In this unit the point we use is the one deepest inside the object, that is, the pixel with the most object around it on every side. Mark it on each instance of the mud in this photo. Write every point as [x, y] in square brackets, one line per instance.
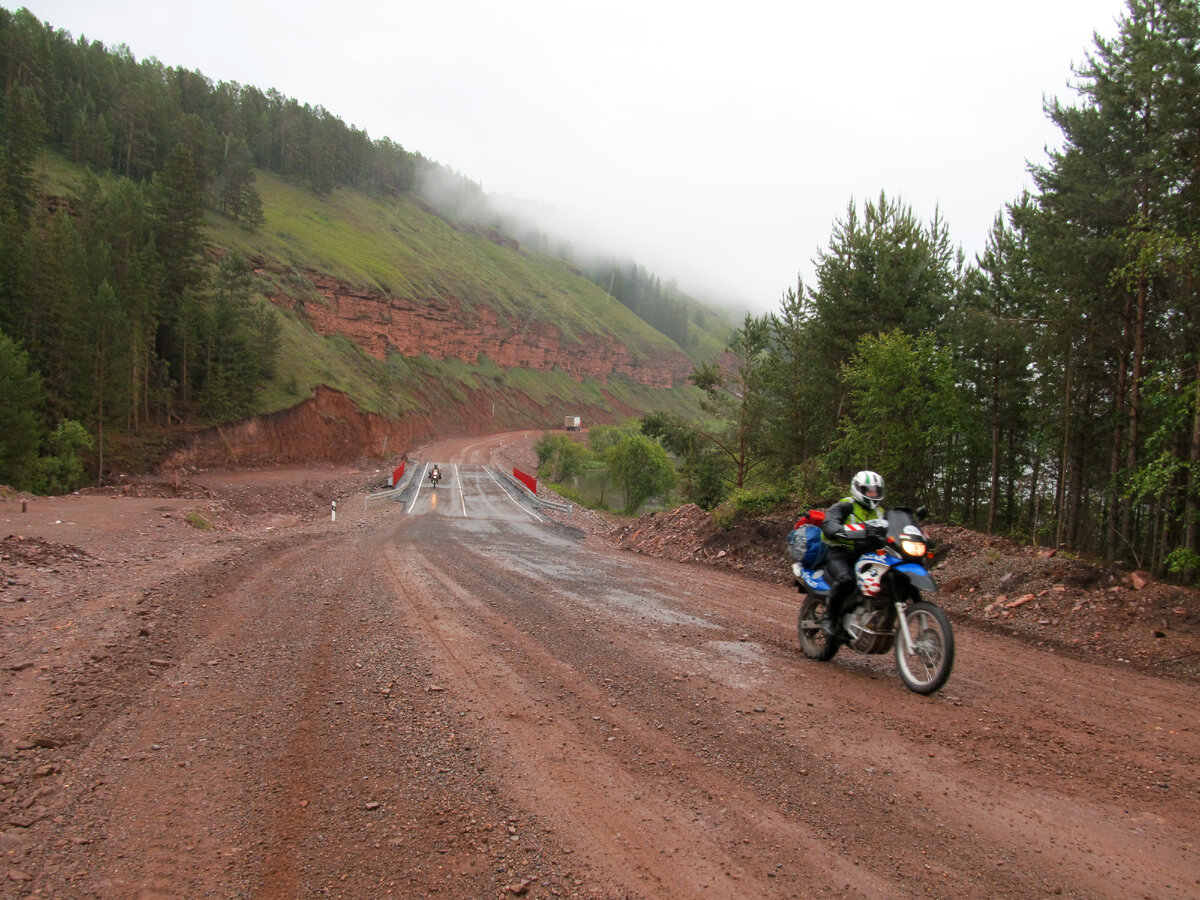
[223, 690]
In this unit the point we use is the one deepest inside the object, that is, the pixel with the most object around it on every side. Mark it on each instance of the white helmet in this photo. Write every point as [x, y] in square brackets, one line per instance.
[867, 489]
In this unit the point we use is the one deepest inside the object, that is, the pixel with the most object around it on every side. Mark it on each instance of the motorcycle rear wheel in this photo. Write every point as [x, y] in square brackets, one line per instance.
[926, 669]
[812, 640]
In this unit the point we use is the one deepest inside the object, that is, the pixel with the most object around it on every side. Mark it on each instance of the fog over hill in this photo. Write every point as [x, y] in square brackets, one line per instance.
[717, 149]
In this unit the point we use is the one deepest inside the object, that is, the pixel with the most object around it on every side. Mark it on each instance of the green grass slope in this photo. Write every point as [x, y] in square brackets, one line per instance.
[399, 247]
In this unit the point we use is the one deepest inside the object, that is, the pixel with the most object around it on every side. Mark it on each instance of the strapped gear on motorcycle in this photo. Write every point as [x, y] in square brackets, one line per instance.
[867, 489]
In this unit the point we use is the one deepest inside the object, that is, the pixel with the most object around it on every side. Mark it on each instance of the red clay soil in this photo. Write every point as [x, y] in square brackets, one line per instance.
[1045, 598]
[213, 687]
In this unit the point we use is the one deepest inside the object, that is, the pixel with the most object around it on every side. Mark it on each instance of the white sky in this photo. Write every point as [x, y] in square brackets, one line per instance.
[715, 143]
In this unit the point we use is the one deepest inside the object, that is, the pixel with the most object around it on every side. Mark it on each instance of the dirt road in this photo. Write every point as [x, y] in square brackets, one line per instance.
[456, 696]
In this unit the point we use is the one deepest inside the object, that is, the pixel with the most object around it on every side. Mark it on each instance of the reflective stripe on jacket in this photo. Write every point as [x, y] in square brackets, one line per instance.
[845, 512]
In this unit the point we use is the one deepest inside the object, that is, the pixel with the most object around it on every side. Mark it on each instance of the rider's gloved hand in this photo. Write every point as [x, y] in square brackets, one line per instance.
[869, 535]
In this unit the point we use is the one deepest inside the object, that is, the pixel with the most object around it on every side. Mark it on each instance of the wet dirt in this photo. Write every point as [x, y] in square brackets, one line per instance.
[262, 684]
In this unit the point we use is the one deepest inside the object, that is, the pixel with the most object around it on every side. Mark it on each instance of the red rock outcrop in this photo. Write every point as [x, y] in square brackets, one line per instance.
[383, 324]
[326, 427]
[329, 427]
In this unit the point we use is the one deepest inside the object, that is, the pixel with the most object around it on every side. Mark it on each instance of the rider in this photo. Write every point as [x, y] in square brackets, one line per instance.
[844, 530]
[436, 474]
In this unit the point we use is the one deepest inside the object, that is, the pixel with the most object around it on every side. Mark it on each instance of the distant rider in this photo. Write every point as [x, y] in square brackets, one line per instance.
[435, 474]
[844, 531]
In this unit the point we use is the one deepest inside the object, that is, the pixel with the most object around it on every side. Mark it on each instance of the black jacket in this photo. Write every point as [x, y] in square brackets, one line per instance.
[837, 517]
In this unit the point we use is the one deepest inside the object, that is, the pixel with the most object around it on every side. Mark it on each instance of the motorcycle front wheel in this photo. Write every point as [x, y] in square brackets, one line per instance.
[812, 640]
[927, 667]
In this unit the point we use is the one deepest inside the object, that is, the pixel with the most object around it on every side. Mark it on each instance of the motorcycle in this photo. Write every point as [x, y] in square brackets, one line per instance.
[435, 476]
[886, 611]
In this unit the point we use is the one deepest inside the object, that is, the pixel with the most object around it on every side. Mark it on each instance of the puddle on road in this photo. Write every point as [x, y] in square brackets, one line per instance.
[477, 526]
[585, 578]
[645, 607]
[741, 665]
[614, 589]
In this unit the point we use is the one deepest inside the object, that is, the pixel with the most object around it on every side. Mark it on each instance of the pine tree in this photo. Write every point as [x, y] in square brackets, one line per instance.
[1125, 179]
[21, 400]
[996, 323]
[795, 387]
[178, 215]
[736, 397]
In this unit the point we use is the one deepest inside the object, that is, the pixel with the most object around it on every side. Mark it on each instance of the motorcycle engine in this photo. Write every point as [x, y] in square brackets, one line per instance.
[871, 626]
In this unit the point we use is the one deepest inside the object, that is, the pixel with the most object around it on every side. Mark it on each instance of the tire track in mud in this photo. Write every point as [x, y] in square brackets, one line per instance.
[292, 815]
[639, 801]
[999, 739]
[176, 819]
[581, 662]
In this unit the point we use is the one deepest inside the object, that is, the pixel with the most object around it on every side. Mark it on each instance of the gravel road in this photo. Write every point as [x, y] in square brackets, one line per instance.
[452, 695]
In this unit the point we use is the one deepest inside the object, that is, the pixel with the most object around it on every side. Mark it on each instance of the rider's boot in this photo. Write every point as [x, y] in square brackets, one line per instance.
[830, 627]
[831, 623]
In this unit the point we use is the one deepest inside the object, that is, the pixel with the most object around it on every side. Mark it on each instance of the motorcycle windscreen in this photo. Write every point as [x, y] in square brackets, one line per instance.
[918, 576]
[898, 517]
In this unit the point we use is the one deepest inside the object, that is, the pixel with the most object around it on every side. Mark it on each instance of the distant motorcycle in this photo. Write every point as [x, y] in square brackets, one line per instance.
[886, 610]
[435, 476]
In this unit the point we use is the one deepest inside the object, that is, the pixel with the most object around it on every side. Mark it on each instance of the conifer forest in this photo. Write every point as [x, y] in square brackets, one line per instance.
[1048, 389]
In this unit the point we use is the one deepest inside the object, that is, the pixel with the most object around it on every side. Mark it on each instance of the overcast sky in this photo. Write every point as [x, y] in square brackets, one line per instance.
[716, 143]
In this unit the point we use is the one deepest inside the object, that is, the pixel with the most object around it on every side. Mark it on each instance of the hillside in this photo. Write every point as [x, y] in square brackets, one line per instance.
[182, 254]
[399, 326]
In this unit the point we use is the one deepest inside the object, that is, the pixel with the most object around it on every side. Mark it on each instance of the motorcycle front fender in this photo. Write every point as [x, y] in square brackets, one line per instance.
[920, 579]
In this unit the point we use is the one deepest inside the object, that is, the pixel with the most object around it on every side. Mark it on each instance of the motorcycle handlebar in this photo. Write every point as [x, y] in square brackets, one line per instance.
[867, 533]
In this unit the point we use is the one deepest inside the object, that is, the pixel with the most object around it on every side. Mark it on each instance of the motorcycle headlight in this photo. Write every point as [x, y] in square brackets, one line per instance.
[912, 547]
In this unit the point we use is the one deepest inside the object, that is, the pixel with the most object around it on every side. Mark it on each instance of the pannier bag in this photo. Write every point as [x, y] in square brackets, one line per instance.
[804, 541]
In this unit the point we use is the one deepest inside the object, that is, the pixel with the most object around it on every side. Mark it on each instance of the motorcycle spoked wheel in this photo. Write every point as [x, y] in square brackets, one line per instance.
[926, 669]
[812, 640]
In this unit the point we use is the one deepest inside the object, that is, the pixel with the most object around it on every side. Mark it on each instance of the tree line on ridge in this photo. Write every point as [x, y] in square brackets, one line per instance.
[1049, 389]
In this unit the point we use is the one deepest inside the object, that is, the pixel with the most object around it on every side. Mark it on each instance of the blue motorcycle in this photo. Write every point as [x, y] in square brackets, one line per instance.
[886, 610]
